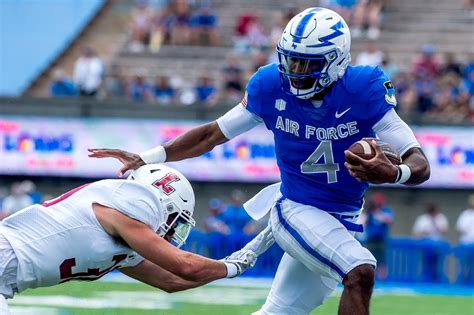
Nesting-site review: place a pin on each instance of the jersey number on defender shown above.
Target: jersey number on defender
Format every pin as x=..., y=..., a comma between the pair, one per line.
x=66, y=274
x=311, y=165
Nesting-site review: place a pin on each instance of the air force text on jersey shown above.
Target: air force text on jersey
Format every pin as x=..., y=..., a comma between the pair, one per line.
x=341, y=131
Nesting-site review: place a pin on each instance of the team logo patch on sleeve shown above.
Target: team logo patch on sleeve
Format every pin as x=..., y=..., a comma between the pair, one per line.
x=244, y=100
x=390, y=95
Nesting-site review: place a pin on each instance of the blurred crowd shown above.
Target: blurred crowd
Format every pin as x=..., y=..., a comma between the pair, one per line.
x=431, y=227
x=176, y=22
x=439, y=86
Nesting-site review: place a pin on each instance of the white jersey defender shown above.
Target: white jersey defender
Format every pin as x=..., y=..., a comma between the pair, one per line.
x=62, y=240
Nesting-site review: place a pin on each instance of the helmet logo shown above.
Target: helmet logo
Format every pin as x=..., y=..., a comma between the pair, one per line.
x=164, y=182
x=326, y=40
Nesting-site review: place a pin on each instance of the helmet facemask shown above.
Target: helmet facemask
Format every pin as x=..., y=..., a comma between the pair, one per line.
x=177, y=227
x=305, y=74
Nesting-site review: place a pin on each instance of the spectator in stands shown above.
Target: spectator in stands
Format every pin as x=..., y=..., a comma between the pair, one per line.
x=163, y=92
x=431, y=225
x=114, y=84
x=425, y=88
x=232, y=73
x=180, y=23
x=256, y=36
x=142, y=17
x=61, y=85
x=388, y=68
x=30, y=189
x=204, y=23
x=139, y=89
x=367, y=11
x=241, y=29
x=17, y=200
x=465, y=223
x=426, y=62
x=450, y=103
x=378, y=218
x=468, y=80
x=235, y=215
x=206, y=92
x=88, y=73
x=465, y=227
x=249, y=34
x=451, y=65
x=371, y=56
x=213, y=222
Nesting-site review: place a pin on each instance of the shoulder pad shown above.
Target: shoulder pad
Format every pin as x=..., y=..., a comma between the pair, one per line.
x=269, y=77
x=358, y=78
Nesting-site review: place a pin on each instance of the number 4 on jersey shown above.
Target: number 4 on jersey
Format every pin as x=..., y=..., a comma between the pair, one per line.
x=311, y=166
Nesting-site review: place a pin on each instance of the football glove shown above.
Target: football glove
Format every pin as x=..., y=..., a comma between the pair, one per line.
x=239, y=261
x=261, y=242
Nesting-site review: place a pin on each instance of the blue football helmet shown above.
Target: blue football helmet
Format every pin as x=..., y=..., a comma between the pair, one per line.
x=314, y=51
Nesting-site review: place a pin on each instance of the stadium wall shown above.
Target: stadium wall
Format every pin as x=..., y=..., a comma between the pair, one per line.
x=408, y=203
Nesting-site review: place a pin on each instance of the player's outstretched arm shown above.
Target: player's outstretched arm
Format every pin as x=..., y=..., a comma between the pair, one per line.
x=192, y=143
x=152, y=274
x=143, y=240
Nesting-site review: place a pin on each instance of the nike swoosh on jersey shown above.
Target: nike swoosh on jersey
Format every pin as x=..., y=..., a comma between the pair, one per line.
x=339, y=115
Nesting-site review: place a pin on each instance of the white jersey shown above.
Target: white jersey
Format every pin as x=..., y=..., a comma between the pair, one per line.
x=62, y=240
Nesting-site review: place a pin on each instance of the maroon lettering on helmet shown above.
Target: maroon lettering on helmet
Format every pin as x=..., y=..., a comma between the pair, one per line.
x=165, y=181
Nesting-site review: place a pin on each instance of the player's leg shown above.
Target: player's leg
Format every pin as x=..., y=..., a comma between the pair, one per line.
x=358, y=285
x=296, y=289
x=3, y=306
x=325, y=246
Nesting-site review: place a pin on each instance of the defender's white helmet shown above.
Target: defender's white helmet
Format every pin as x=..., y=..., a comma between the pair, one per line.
x=314, y=51
x=177, y=199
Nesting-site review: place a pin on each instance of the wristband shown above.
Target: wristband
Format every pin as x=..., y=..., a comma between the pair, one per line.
x=155, y=155
x=404, y=174
x=232, y=270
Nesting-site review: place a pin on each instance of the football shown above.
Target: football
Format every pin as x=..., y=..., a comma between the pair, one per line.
x=363, y=149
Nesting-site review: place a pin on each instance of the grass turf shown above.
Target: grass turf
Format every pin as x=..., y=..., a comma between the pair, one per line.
x=203, y=301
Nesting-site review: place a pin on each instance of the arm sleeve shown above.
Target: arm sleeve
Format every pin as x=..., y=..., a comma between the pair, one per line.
x=237, y=121
x=394, y=131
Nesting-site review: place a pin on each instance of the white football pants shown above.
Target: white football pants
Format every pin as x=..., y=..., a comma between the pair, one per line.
x=322, y=252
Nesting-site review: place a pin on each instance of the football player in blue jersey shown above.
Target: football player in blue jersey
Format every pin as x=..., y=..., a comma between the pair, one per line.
x=317, y=105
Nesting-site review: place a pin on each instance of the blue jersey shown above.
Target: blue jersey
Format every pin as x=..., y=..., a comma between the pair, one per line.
x=310, y=140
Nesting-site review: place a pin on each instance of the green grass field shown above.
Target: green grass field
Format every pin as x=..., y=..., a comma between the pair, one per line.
x=109, y=298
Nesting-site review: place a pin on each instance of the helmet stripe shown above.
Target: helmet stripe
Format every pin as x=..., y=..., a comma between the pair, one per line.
x=302, y=25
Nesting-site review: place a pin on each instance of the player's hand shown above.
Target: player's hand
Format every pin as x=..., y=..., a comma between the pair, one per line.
x=239, y=261
x=261, y=242
x=377, y=170
x=130, y=161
